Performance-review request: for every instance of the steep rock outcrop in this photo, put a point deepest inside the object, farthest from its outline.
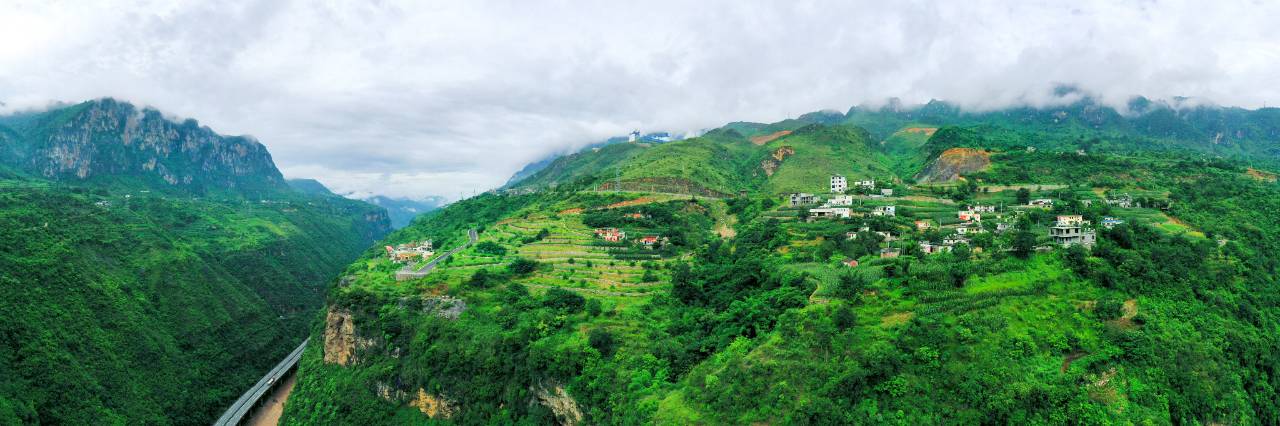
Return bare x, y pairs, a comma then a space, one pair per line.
774, 161
341, 342
553, 396
953, 163
108, 138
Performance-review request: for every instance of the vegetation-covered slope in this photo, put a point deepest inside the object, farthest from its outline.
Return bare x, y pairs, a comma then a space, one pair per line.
130, 300
757, 316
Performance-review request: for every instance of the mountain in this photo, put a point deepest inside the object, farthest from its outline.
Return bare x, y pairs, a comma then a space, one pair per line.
107, 141
403, 210
537, 166
310, 187
678, 284
151, 271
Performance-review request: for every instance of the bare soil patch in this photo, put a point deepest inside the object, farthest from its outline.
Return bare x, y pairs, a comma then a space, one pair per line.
764, 139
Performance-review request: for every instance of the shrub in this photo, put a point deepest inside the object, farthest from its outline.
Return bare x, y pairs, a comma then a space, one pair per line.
563, 300
522, 266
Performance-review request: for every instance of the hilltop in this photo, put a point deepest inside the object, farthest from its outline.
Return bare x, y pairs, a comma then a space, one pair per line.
889, 267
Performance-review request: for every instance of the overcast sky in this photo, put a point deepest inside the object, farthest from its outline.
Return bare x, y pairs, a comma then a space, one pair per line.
420, 98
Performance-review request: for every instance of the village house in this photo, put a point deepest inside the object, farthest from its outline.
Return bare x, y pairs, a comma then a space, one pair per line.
852, 263
922, 225
1071, 230
825, 211
982, 209
951, 241
410, 251
1041, 202
612, 235
887, 236
635, 216
888, 192
1124, 201
1003, 226
962, 230
838, 184
927, 247
649, 240
885, 211
890, 253
968, 216
841, 200
1111, 222
802, 199
868, 184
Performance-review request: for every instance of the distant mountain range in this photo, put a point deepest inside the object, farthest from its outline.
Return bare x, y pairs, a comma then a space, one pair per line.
745, 155
401, 210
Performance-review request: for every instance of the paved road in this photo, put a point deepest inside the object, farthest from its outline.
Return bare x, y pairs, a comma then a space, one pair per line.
249, 399
410, 272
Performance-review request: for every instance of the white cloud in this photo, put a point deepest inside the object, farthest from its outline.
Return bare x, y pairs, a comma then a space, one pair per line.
411, 98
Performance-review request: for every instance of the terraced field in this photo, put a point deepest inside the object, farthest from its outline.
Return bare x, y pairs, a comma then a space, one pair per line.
569, 257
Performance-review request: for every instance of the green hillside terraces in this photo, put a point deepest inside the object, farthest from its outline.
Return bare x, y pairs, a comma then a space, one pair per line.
952, 299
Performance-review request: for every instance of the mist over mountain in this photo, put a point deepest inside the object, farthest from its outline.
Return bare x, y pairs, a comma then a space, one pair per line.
402, 211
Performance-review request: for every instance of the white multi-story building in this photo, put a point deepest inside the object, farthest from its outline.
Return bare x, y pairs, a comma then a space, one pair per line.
838, 184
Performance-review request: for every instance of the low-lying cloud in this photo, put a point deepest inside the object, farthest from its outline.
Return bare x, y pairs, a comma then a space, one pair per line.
409, 98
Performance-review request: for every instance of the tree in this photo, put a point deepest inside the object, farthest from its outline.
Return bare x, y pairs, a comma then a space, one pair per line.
603, 341
490, 248
480, 279
522, 266
563, 300
1024, 196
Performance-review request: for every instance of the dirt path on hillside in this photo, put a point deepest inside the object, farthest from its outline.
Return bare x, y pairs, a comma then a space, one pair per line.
269, 413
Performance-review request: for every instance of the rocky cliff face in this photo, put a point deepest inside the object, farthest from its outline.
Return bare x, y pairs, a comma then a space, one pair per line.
107, 138
953, 163
774, 161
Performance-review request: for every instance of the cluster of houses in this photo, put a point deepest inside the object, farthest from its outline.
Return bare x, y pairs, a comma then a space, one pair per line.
612, 235
411, 251
839, 205
615, 235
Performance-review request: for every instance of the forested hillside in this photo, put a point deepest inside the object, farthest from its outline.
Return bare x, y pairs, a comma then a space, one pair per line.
150, 271
973, 272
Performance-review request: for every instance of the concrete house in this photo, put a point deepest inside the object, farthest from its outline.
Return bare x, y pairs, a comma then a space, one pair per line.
838, 184
1071, 230
841, 200
868, 184
969, 216
802, 199
1111, 222
1041, 202
890, 253
888, 192
828, 212
982, 209
927, 247
885, 211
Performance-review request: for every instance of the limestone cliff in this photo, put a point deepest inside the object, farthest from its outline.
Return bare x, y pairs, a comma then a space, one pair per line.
553, 396
105, 139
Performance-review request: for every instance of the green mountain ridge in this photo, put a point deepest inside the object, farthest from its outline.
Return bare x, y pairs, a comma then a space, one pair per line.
742, 309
